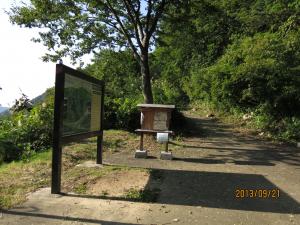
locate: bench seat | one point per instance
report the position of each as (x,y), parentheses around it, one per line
(153,131)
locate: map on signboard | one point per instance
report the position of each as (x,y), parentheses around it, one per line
(82,106)
(160,121)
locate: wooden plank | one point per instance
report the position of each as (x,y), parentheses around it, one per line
(77,137)
(153,131)
(148,119)
(156,106)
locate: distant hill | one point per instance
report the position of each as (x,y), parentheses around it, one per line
(2,109)
(38,99)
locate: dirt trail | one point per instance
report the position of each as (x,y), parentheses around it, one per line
(198,187)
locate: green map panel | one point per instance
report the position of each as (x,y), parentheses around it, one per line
(82,106)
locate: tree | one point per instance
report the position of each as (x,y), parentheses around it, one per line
(21,104)
(77,27)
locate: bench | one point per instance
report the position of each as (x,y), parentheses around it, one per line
(144,131)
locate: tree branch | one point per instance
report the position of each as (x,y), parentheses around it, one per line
(157,16)
(137,19)
(148,17)
(125,32)
(129,8)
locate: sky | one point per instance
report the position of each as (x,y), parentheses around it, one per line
(21,67)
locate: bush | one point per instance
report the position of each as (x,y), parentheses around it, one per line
(291,129)
(285,129)
(255,71)
(178,122)
(9,151)
(121,113)
(26,132)
(256,74)
(33,130)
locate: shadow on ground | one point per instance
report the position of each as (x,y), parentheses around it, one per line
(222,145)
(204,127)
(262,156)
(224,161)
(216,190)
(219,190)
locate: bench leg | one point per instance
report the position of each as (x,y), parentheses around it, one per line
(167,145)
(142,142)
(141,153)
(166,155)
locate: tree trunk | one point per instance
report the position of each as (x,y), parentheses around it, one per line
(146,79)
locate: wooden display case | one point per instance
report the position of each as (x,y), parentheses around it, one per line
(155,117)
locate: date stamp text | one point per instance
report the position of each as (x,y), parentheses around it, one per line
(257,193)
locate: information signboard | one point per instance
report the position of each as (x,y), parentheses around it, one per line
(78,114)
(82,106)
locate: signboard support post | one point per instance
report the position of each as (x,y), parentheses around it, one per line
(99,148)
(57,149)
(56,171)
(100,137)
(67,82)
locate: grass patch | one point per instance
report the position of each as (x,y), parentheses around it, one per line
(81,188)
(143,195)
(148,194)
(119,140)
(78,179)
(17,179)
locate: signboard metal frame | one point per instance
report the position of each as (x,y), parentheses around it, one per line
(58,138)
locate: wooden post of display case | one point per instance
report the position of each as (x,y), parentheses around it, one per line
(155,119)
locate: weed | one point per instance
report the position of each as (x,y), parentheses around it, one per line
(143,195)
(81,188)
(104,193)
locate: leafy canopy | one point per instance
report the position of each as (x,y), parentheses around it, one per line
(77,27)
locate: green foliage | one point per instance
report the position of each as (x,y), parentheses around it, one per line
(290,129)
(121,113)
(258,74)
(80,189)
(22,104)
(237,57)
(255,71)
(8,151)
(34,130)
(120,72)
(75,28)
(25,132)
